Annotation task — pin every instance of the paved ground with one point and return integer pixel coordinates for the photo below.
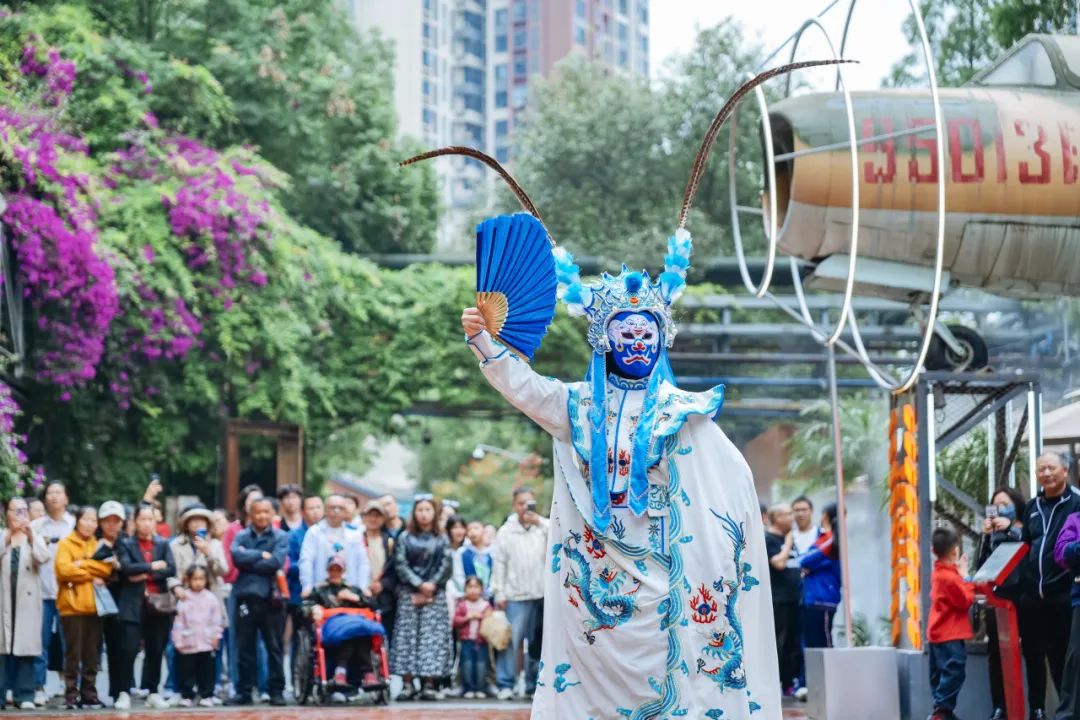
(460, 710)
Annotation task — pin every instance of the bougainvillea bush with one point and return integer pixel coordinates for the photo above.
(167, 288)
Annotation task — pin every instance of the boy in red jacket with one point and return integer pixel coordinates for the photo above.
(951, 596)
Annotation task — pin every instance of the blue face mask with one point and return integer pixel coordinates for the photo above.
(635, 343)
(1007, 511)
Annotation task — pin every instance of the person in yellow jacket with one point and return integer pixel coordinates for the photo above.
(76, 574)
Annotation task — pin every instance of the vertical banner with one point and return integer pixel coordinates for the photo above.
(905, 609)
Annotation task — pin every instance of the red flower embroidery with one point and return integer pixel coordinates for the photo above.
(624, 463)
(703, 606)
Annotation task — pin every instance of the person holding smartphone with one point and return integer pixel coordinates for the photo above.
(517, 582)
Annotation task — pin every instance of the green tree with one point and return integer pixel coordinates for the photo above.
(606, 158)
(865, 445)
(308, 91)
(960, 40)
(1013, 19)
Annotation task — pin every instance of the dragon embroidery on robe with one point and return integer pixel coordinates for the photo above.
(599, 592)
(722, 657)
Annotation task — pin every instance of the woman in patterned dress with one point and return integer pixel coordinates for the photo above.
(422, 640)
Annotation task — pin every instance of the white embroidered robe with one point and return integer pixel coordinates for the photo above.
(667, 615)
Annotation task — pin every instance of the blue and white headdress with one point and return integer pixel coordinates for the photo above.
(515, 294)
(629, 290)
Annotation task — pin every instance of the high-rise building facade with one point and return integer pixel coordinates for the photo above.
(463, 68)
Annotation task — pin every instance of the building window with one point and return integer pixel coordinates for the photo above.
(624, 32)
(520, 39)
(624, 58)
(500, 99)
(474, 21)
(502, 154)
(500, 20)
(643, 12)
(521, 10)
(500, 42)
(579, 8)
(430, 61)
(579, 34)
(520, 68)
(502, 128)
(430, 118)
(427, 90)
(624, 8)
(474, 102)
(500, 75)
(521, 94)
(643, 45)
(474, 75)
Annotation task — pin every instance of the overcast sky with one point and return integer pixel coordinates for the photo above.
(875, 40)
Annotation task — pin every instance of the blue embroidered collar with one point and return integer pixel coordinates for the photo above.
(626, 383)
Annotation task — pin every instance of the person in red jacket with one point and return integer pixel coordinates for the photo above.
(951, 597)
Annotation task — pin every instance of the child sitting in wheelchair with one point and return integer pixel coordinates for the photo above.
(351, 659)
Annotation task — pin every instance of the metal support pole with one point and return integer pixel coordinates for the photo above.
(924, 413)
(841, 504)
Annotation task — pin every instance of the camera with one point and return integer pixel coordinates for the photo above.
(531, 506)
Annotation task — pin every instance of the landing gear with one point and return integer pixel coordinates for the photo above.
(957, 348)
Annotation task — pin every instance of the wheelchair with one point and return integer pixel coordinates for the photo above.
(313, 684)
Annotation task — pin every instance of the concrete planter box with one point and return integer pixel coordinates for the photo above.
(916, 700)
(852, 683)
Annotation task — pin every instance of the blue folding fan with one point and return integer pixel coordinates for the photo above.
(516, 287)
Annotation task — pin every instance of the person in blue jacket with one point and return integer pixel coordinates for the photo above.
(821, 582)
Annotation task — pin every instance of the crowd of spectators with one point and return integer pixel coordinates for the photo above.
(212, 607)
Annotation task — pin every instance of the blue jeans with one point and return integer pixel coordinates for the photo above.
(524, 615)
(17, 675)
(948, 663)
(50, 620)
(474, 665)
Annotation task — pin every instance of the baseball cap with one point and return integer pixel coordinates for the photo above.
(111, 508)
(338, 560)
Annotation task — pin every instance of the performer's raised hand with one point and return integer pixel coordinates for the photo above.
(472, 321)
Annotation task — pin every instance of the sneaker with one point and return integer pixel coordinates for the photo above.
(215, 701)
(140, 693)
(207, 702)
(90, 702)
(123, 702)
(185, 703)
(264, 697)
(278, 700)
(71, 700)
(156, 702)
(27, 705)
(239, 701)
(407, 695)
(40, 698)
(469, 695)
(481, 695)
(341, 677)
(801, 694)
(370, 679)
(338, 698)
(505, 694)
(429, 694)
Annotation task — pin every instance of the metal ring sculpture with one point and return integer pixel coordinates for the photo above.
(847, 315)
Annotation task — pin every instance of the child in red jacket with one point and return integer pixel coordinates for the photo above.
(951, 597)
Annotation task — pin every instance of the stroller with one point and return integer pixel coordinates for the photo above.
(310, 678)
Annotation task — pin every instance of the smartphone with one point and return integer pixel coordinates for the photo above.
(991, 512)
(531, 506)
(201, 532)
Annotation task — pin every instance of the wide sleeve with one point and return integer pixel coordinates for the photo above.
(216, 562)
(542, 399)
